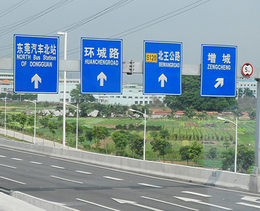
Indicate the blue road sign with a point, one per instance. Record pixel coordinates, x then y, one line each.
218 71
101 66
162 67
36 64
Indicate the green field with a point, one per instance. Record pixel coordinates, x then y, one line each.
211 132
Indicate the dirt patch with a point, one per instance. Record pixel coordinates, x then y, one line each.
191 124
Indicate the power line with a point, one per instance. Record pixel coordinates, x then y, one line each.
11 27
93 17
84 21
161 19
12 8
155 21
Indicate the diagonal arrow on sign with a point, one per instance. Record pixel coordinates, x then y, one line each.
36 79
101 77
220 82
201 202
163 79
122 201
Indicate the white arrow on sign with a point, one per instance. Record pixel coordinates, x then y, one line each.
36 79
163 79
220 82
101 77
201 202
122 201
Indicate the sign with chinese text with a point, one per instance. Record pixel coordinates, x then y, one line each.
101 65
36 64
162 67
218 71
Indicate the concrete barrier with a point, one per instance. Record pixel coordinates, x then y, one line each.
43 204
205 176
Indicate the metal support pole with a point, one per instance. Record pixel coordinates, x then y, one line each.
144 133
77 126
257 129
64 89
235 166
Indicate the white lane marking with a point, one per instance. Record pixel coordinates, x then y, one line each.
197 194
166 202
37 163
11 167
57 167
201 202
251 199
122 201
98 205
83 172
18 159
64 179
113 178
2 156
8 179
248 205
149 185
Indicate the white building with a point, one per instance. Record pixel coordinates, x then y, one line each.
6 82
243 83
70 85
132 94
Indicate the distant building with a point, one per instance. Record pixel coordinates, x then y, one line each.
243 83
70 85
132 95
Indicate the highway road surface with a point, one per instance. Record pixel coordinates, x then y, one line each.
87 187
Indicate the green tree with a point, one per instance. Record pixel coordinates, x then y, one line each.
212 153
164 134
191 98
189 112
77 97
136 144
185 153
98 133
228 158
22 119
52 126
120 139
44 120
252 114
195 151
160 145
245 158
248 92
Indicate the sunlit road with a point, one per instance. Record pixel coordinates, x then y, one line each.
87 187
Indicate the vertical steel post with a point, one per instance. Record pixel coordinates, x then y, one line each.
257 129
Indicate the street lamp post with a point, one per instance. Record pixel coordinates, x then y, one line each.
235 123
144 115
34 131
5 116
77 123
64 89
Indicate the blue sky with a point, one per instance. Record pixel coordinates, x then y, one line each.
192 22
